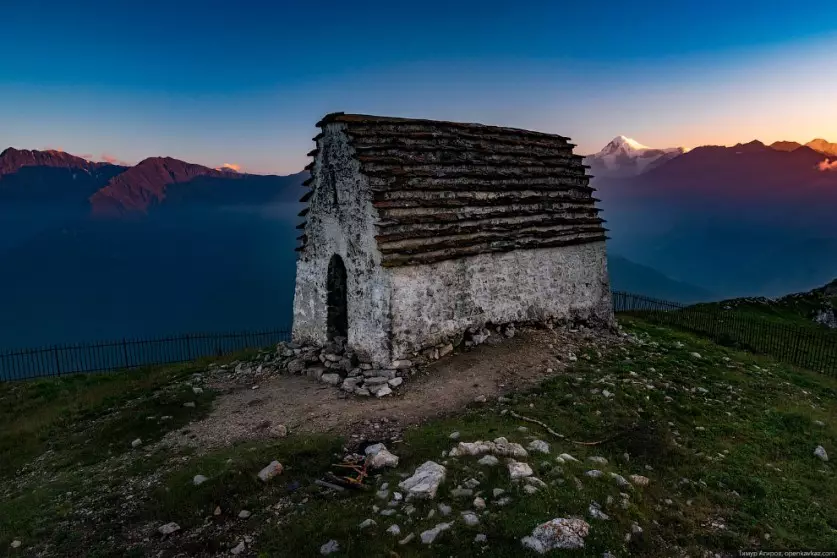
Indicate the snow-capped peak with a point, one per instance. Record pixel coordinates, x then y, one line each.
625 156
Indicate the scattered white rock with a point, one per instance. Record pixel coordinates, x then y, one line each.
820 452
425 481
278 431
470 518
477 399
136 443
454 436
560 533
383 392
394 530
198 480
639 480
480 538
488 461
16 543
594 473
566 457
471 483
331 379
239 548
498 492
217 510
273 469
621 481
366 523
539 446
819 423
530 489
408 539
598 459
330 547
596 512
169 528
500 447
460 492
479 503
395 382
189 404
427 537
378 457
695 355
518 469
636 529
197 390
444 509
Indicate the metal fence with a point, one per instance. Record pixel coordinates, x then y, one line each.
813 347
60 360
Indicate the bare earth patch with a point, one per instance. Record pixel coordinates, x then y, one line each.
304 405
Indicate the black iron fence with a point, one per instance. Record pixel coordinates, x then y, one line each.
129 353
813 347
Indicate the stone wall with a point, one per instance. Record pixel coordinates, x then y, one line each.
436 302
341 221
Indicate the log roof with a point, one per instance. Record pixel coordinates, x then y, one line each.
446 190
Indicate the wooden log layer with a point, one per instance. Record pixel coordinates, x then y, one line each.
446 190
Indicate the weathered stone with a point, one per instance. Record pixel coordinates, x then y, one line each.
278 431
331 379
244 514
168 528
373 381
460 492
383 391
639 480
445 350
444 509
480 538
136 443
427 537
470 518
500 447
271 470
330 547
820 452
378 456
408 539
198 480
425 481
332 357
596 512
479 503
539 446
518 470
363 392
488 461
560 533
567 457
316 372
594 473
351 384
366 523
621 481
401 364
394 530
238 549
529 489
598 460
296 366
395 382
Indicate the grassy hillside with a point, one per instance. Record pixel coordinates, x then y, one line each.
727 440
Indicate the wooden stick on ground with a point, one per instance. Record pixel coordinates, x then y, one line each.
534 421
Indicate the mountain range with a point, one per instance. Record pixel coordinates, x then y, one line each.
96 250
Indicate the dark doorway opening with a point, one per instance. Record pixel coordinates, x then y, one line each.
338 315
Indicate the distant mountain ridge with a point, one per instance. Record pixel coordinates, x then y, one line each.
624 157
109 190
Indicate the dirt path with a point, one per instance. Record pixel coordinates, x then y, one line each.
303 405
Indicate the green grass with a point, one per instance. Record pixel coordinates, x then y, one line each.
744 447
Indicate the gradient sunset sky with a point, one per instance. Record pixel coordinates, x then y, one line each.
244 82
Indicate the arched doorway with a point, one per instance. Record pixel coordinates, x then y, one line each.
338 315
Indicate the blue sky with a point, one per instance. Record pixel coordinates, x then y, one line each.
244 82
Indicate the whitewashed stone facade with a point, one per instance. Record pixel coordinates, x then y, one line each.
440 227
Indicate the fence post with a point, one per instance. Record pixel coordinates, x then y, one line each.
125 352
57 361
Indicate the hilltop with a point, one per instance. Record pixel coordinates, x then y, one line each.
651 443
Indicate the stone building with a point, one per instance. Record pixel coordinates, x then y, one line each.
417 230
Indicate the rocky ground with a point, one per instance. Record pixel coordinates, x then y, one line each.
650 444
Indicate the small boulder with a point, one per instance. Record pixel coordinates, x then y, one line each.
425 481
470 518
278 431
378 457
366 523
444 509
238 549
169 528
273 469
567 457
639 480
480 538
136 443
16 543
488 461
820 452
198 480
518 470
383 392
560 533
244 514
593 473
394 530
395 382
427 537
539 446
330 547
598 459
331 379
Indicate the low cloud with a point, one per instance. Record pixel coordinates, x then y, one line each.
113 160
230 166
828 165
